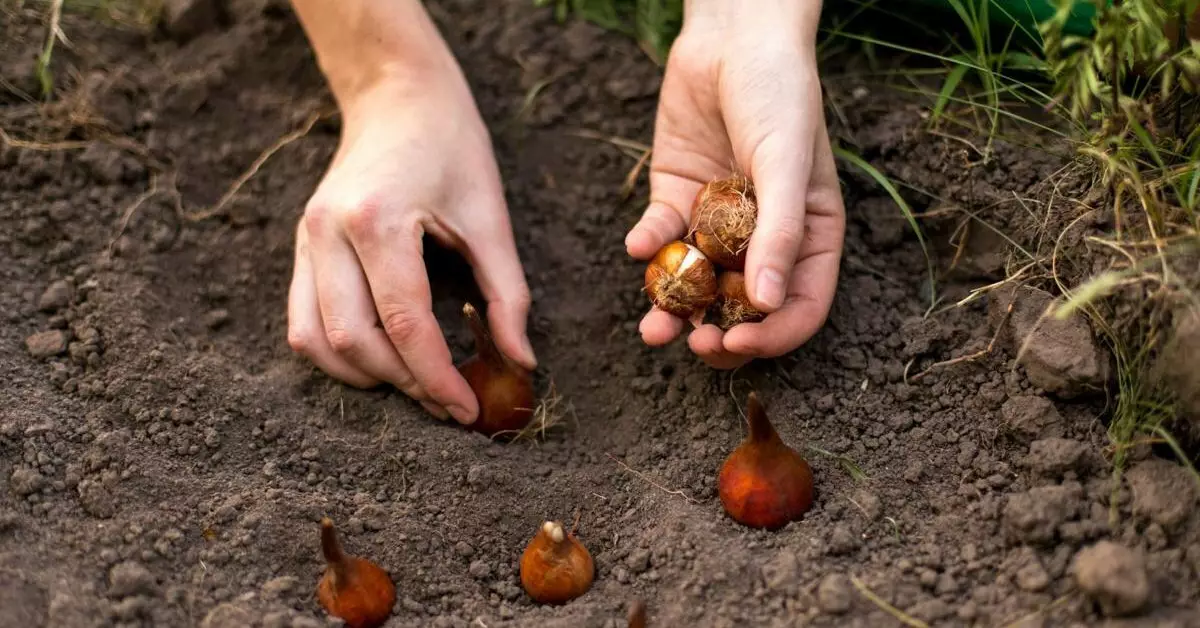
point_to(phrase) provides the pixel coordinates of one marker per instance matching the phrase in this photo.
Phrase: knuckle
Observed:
(402, 325)
(341, 339)
(300, 340)
(362, 217)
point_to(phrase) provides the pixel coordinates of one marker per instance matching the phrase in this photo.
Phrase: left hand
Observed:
(741, 90)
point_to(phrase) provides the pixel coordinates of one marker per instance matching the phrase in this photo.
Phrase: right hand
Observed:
(414, 158)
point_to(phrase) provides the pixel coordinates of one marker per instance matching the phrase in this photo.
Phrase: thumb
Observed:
(780, 170)
(498, 272)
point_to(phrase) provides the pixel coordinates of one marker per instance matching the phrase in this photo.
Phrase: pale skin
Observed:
(740, 90)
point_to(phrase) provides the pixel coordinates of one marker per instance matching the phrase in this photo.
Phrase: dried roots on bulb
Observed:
(504, 389)
(732, 306)
(724, 215)
(556, 567)
(353, 589)
(764, 483)
(681, 281)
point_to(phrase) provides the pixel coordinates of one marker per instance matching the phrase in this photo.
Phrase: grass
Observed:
(137, 14)
(1117, 97)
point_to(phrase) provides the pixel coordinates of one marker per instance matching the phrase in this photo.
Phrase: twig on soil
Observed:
(154, 190)
(619, 142)
(660, 487)
(973, 356)
(1020, 621)
(631, 178)
(900, 615)
(279, 144)
(852, 469)
(41, 146)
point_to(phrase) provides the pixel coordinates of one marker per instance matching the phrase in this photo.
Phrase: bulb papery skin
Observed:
(555, 567)
(354, 589)
(724, 216)
(732, 306)
(504, 389)
(506, 398)
(680, 280)
(764, 483)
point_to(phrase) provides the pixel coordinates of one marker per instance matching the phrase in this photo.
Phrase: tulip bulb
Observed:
(764, 483)
(353, 589)
(681, 280)
(503, 388)
(724, 215)
(637, 614)
(733, 306)
(556, 567)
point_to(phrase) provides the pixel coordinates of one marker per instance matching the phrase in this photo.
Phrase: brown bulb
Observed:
(724, 215)
(764, 483)
(733, 306)
(503, 388)
(681, 280)
(637, 614)
(353, 589)
(556, 567)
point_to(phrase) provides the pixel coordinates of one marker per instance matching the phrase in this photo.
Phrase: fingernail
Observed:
(770, 288)
(460, 414)
(527, 349)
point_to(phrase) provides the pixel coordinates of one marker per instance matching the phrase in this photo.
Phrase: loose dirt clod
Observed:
(1114, 576)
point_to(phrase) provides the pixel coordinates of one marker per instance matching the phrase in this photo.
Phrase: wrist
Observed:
(361, 45)
(730, 18)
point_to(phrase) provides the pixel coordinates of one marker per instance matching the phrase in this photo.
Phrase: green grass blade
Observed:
(953, 78)
(888, 186)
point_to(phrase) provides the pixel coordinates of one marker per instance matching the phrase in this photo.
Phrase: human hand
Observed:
(414, 158)
(741, 90)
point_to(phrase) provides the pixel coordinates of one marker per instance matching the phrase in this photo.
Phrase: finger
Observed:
(305, 333)
(658, 327)
(814, 279)
(706, 342)
(347, 311)
(493, 256)
(391, 255)
(782, 164)
(666, 217)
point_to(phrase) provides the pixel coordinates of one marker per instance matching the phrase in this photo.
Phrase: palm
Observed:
(707, 126)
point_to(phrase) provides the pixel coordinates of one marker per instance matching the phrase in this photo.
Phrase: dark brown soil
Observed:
(165, 459)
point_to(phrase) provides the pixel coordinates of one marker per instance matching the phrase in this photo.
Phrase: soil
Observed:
(165, 459)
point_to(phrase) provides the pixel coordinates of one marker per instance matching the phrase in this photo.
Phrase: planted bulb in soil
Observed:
(556, 567)
(764, 483)
(504, 389)
(353, 589)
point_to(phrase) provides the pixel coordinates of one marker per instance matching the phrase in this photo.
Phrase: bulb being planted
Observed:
(353, 589)
(556, 567)
(764, 483)
(733, 306)
(724, 215)
(504, 389)
(681, 280)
